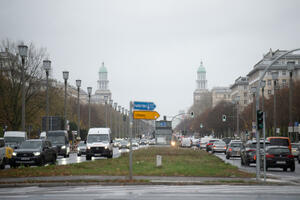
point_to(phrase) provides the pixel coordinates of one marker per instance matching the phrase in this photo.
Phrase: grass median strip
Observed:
(175, 162)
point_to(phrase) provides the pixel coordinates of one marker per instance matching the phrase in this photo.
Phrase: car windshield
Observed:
(97, 138)
(279, 151)
(212, 141)
(124, 142)
(31, 145)
(220, 143)
(236, 144)
(13, 139)
(81, 144)
(56, 139)
(279, 142)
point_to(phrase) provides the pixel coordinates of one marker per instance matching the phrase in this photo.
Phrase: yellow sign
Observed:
(150, 115)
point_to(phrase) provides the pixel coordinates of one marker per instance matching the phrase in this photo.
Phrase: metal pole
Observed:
(274, 116)
(264, 134)
(89, 111)
(105, 107)
(237, 120)
(254, 114)
(78, 113)
(120, 125)
(130, 141)
(290, 103)
(65, 106)
(47, 103)
(257, 140)
(23, 93)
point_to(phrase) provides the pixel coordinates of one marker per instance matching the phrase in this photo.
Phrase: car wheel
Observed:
(79, 154)
(2, 165)
(292, 168)
(88, 157)
(53, 160)
(225, 152)
(298, 160)
(68, 155)
(285, 169)
(42, 161)
(247, 163)
(65, 155)
(227, 157)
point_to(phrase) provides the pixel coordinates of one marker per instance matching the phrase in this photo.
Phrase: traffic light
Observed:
(192, 114)
(224, 118)
(260, 119)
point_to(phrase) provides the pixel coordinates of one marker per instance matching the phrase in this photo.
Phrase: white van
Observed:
(14, 139)
(43, 135)
(186, 142)
(99, 143)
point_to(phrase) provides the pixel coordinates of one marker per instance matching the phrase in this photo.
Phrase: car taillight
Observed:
(230, 149)
(225, 148)
(290, 156)
(270, 156)
(214, 147)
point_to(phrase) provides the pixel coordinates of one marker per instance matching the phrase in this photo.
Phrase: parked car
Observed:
(186, 142)
(81, 148)
(210, 144)
(60, 140)
(195, 141)
(204, 141)
(116, 143)
(34, 152)
(143, 142)
(295, 150)
(219, 146)
(248, 151)
(233, 149)
(152, 141)
(279, 157)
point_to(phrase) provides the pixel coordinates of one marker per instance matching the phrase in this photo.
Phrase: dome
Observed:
(201, 69)
(103, 69)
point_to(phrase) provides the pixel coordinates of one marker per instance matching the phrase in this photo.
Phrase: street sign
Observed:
(150, 115)
(139, 105)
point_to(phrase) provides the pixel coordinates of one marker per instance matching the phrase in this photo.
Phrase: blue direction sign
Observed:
(138, 105)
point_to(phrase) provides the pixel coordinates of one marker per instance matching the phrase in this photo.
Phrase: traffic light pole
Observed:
(264, 133)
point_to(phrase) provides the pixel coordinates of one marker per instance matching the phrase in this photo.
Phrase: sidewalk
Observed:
(121, 180)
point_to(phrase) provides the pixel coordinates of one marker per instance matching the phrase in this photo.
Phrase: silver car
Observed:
(295, 149)
(81, 149)
(218, 146)
(234, 149)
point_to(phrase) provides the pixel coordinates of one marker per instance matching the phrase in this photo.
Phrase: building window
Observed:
(245, 94)
(269, 91)
(245, 87)
(283, 82)
(269, 82)
(245, 102)
(283, 72)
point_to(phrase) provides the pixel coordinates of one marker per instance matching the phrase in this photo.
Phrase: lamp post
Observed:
(65, 76)
(23, 49)
(78, 84)
(119, 109)
(89, 89)
(47, 67)
(237, 99)
(126, 124)
(122, 123)
(291, 67)
(253, 90)
(114, 119)
(110, 113)
(275, 77)
(105, 108)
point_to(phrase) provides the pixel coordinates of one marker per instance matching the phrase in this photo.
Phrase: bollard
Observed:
(158, 161)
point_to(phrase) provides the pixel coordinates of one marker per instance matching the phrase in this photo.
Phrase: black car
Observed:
(279, 157)
(248, 151)
(34, 152)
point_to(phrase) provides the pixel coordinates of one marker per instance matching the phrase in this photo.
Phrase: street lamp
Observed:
(253, 91)
(47, 68)
(275, 77)
(105, 107)
(126, 125)
(78, 84)
(89, 89)
(122, 122)
(65, 76)
(110, 113)
(291, 68)
(23, 49)
(114, 119)
(237, 99)
(119, 109)
(263, 85)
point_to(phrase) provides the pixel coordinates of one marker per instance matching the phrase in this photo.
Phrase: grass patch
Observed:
(175, 162)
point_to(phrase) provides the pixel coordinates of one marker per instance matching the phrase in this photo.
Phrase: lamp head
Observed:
(78, 83)
(23, 49)
(65, 75)
(47, 65)
(89, 89)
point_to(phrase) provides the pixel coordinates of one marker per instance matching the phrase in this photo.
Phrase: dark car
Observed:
(210, 143)
(279, 157)
(34, 152)
(234, 149)
(248, 151)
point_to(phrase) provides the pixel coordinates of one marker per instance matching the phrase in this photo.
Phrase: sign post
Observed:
(130, 141)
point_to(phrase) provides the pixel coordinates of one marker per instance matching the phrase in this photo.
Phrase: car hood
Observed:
(27, 150)
(98, 144)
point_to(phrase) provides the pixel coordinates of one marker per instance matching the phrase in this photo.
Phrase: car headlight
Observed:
(105, 147)
(63, 147)
(78, 149)
(173, 143)
(14, 154)
(37, 153)
(88, 147)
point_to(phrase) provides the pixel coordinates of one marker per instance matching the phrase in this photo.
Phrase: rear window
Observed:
(279, 151)
(236, 144)
(279, 142)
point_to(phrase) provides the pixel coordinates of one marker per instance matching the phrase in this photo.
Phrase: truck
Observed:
(14, 139)
(99, 143)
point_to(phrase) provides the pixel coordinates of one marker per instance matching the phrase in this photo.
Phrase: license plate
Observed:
(280, 162)
(25, 158)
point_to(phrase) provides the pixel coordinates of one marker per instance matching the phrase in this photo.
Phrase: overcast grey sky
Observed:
(152, 49)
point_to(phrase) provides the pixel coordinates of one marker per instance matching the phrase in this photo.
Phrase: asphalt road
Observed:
(162, 192)
(273, 172)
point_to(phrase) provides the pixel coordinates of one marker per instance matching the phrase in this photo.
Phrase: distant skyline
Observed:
(152, 49)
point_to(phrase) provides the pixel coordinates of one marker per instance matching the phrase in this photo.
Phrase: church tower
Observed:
(201, 78)
(103, 91)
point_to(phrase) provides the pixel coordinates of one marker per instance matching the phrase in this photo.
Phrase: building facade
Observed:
(220, 94)
(102, 93)
(240, 89)
(280, 66)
